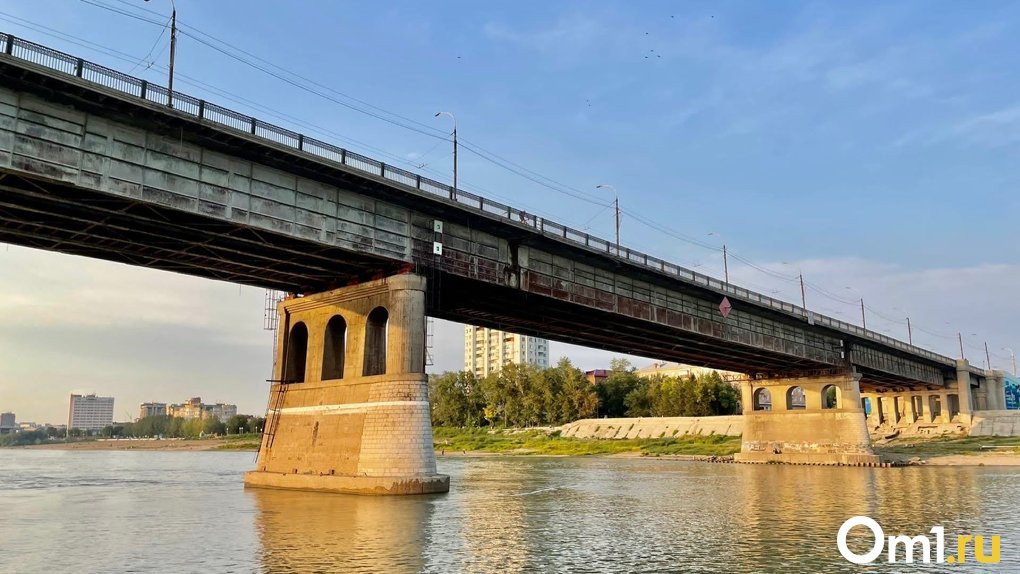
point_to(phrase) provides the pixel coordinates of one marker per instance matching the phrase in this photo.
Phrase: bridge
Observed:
(97, 163)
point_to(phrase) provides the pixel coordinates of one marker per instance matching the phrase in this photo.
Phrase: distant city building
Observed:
(151, 410)
(681, 370)
(89, 412)
(194, 408)
(8, 423)
(487, 350)
(597, 376)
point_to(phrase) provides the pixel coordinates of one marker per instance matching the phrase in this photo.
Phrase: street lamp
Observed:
(725, 260)
(453, 192)
(173, 53)
(1012, 357)
(616, 204)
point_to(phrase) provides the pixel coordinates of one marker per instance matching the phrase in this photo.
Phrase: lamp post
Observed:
(453, 192)
(173, 53)
(616, 204)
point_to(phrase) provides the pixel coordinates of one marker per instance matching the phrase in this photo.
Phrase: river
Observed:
(116, 511)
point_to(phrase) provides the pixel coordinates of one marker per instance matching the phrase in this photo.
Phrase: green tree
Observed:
(236, 424)
(613, 391)
(213, 426)
(456, 400)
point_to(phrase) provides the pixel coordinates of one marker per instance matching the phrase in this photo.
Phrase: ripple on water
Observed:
(178, 512)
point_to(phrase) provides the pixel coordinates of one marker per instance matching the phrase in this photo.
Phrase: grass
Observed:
(512, 441)
(248, 441)
(950, 445)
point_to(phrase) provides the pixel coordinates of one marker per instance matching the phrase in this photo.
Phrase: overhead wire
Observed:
(145, 58)
(418, 127)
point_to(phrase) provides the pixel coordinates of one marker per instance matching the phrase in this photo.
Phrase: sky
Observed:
(870, 146)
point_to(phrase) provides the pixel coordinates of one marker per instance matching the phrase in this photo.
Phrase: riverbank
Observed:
(541, 442)
(242, 443)
(952, 450)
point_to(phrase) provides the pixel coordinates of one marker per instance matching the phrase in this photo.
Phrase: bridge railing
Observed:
(226, 118)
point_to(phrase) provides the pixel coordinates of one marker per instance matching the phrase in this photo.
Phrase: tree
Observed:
(213, 426)
(237, 423)
(456, 400)
(614, 390)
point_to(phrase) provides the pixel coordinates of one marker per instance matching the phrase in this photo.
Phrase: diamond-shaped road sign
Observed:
(725, 307)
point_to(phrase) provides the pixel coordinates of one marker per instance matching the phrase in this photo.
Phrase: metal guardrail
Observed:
(226, 118)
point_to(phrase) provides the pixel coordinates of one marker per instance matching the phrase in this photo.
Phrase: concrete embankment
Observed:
(653, 427)
(995, 423)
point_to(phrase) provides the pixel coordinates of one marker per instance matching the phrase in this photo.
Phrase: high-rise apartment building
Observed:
(151, 410)
(194, 408)
(89, 412)
(487, 350)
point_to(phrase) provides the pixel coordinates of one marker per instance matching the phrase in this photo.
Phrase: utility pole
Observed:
(910, 332)
(725, 264)
(988, 357)
(453, 192)
(616, 206)
(959, 335)
(173, 51)
(803, 294)
(864, 318)
(173, 55)
(1012, 356)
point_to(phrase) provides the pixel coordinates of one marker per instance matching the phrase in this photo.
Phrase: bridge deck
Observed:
(500, 267)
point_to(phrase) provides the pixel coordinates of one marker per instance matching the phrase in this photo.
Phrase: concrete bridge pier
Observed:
(805, 420)
(931, 409)
(349, 411)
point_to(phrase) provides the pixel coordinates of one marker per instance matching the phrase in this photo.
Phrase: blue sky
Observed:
(871, 146)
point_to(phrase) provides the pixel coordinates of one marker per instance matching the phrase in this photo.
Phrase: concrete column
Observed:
(747, 397)
(922, 414)
(405, 339)
(963, 389)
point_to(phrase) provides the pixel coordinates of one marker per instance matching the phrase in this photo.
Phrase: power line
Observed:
(409, 124)
(154, 44)
(121, 11)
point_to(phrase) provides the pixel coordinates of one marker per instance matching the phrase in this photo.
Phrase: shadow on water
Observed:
(315, 532)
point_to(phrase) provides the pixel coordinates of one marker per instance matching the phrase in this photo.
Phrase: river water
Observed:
(188, 512)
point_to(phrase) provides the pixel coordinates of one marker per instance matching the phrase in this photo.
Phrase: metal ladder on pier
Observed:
(272, 415)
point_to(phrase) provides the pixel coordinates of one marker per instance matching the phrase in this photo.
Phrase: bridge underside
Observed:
(41, 213)
(59, 217)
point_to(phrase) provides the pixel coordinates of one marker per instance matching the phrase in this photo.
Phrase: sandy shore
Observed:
(127, 444)
(975, 459)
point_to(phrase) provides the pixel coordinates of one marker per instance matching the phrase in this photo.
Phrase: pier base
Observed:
(350, 410)
(805, 420)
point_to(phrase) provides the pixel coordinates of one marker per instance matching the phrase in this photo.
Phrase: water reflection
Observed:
(503, 514)
(313, 532)
(788, 509)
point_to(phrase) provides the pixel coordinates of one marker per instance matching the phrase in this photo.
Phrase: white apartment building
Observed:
(89, 412)
(487, 350)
